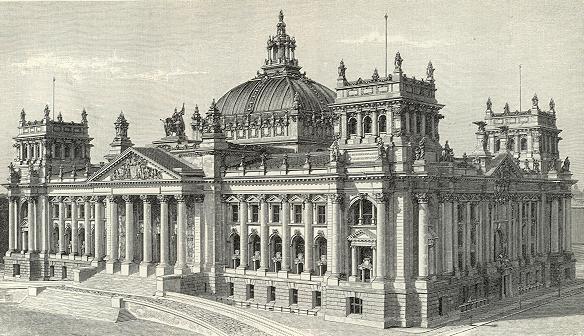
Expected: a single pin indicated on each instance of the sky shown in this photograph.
(146, 58)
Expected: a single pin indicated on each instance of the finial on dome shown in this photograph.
(281, 16)
(60, 117)
(552, 105)
(489, 104)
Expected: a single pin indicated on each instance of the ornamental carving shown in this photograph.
(136, 168)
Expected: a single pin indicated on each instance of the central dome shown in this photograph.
(270, 93)
(280, 86)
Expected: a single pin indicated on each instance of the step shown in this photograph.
(76, 304)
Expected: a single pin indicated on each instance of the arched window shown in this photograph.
(382, 124)
(497, 145)
(367, 125)
(234, 250)
(362, 212)
(77, 152)
(524, 144)
(255, 249)
(352, 127)
(298, 254)
(275, 253)
(24, 152)
(320, 254)
(511, 144)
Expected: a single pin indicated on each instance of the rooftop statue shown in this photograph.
(175, 125)
(398, 61)
(342, 70)
(430, 72)
(566, 165)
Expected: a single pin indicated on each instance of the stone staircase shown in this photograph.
(578, 250)
(81, 305)
(127, 284)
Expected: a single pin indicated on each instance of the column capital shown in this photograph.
(57, 199)
(285, 198)
(128, 198)
(30, 198)
(262, 197)
(163, 198)
(96, 199)
(181, 198)
(336, 198)
(146, 198)
(13, 198)
(86, 198)
(422, 198)
(199, 198)
(241, 198)
(112, 198)
(307, 198)
(380, 197)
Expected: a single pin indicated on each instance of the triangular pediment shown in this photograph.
(504, 167)
(133, 166)
(364, 236)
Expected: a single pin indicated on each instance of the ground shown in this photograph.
(17, 321)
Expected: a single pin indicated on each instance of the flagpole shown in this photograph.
(53, 97)
(519, 87)
(385, 45)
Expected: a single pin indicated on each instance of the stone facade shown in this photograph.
(360, 214)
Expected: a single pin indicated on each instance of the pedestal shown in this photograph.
(305, 276)
(283, 274)
(146, 269)
(163, 270)
(128, 268)
(182, 270)
(111, 267)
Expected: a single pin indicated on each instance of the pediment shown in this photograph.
(505, 168)
(362, 236)
(133, 166)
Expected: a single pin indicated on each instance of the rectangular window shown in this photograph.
(321, 214)
(271, 293)
(275, 213)
(460, 212)
(235, 213)
(293, 296)
(81, 211)
(440, 306)
(55, 210)
(355, 305)
(231, 288)
(297, 213)
(15, 270)
(255, 213)
(52, 271)
(250, 292)
(68, 211)
(317, 298)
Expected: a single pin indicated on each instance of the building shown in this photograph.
(287, 194)
(578, 215)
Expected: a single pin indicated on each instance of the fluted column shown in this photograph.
(74, 227)
(31, 224)
(87, 225)
(62, 247)
(447, 225)
(285, 233)
(422, 235)
(147, 236)
(99, 229)
(354, 262)
(528, 229)
(164, 235)
(554, 234)
(126, 268)
(45, 224)
(568, 223)
(263, 234)
(181, 240)
(336, 235)
(243, 231)
(11, 226)
(308, 235)
(36, 246)
(381, 244)
(113, 234)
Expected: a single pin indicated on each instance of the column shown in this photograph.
(74, 238)
(308, 235)
(181, 239)
(568, 223)
(11, 225)
(62, 247)
(36, 246)
(129, 250)
(147, 237)
(335, 223)
(31, 223)
(554, 234)
(263, 234)
(381, 244)
(243, 231)
(45, 224)
(359, 117)
(455, 224)
(164, 236)
(541, 221)
(87, 225)
(422, 235)
(354, 263)
(113, 234)
(374, 123)
(285, 213)
(99, 229)
(447, 225)
(528, 230)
